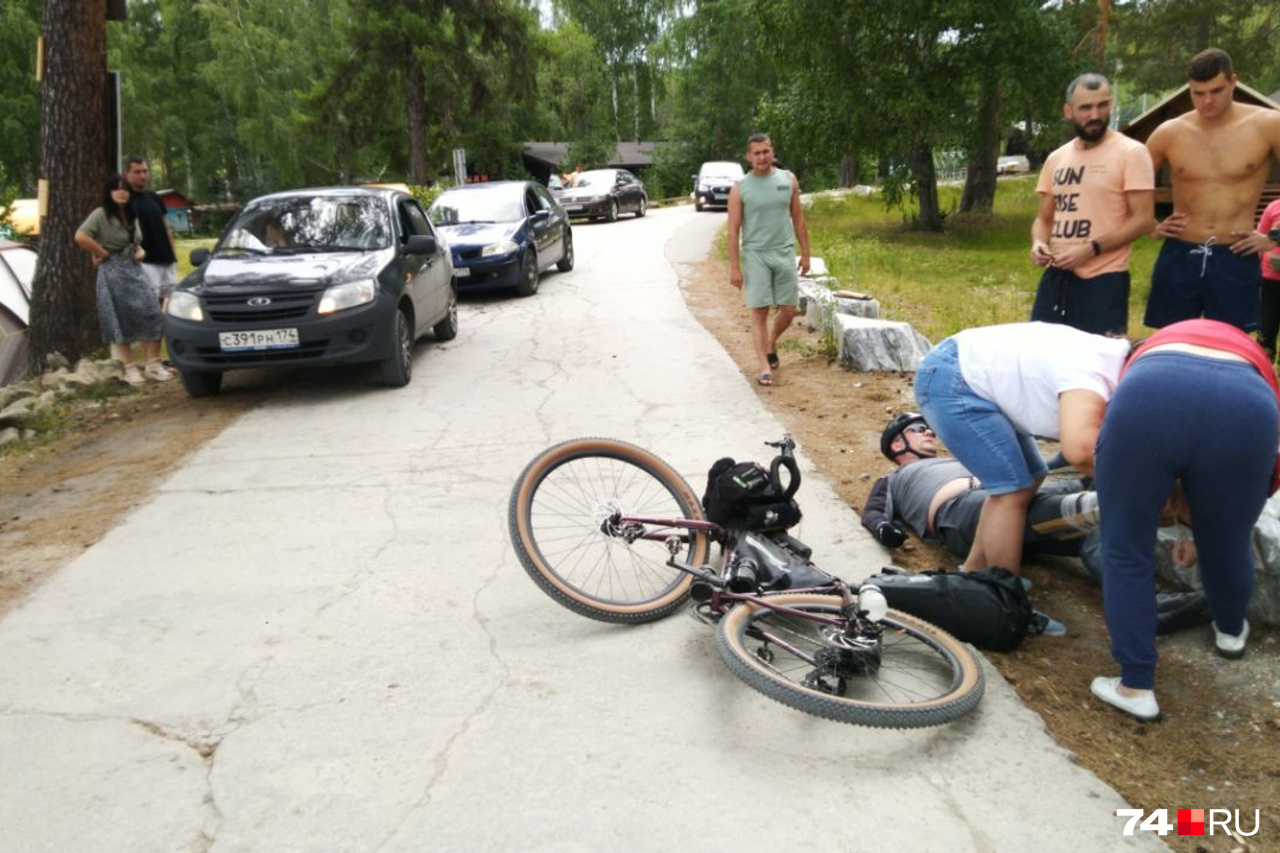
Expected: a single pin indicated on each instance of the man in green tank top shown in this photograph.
(765, 214)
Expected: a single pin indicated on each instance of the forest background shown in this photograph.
(233, 98)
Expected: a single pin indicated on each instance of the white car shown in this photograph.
(713, 182)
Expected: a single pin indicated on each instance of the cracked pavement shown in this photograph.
(315, 636)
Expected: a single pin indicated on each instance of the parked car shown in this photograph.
(503, 234)
(1013, 165)
(713, 182)
(313, 277)
(604, 193)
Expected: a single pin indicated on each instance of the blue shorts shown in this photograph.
(974, 429)
(1095, 305)
(1192, 279)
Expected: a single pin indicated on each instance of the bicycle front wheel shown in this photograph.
(561, 522)
(920, 675)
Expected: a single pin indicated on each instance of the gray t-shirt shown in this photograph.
(110, 233)
(912, 487)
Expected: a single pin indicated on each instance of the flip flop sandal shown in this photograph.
(773, 360)
(765, 378)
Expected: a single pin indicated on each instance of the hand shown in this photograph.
(97, 261)
(138, 255)
(735, 278)
(890, 534)
(1040, 254)
(803, 265)
(1172, 226)
(1073, 257)
(1251, 243)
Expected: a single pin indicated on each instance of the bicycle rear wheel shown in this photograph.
(558, 517)
(921, 677)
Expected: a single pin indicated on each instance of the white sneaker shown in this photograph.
(133, 376)
(157, 371)
(1143, 706)
(1229, 646)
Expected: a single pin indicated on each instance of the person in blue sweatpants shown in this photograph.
(1192, 416)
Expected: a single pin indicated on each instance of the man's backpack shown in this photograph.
(748, 496)
(988, 608)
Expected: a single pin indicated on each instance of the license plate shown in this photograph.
(461, 272)
(572, 208)
(258, 339)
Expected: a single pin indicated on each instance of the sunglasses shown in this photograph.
(919, 428)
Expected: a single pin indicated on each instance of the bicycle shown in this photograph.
(612, 532)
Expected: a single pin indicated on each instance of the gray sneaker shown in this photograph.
(1043, 623)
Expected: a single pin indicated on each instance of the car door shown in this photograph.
(426, 276)
(542, 225)
(557, 221)
(631, 188)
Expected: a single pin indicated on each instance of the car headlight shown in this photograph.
(502, 247)
(185, 305)
(343, 296)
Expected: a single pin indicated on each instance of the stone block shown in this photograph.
(872, 344)
(869, 308)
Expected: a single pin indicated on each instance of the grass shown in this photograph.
(185, 248)
(976, 273)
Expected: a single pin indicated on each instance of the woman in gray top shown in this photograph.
(127, 309)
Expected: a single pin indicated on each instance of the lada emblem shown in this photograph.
(259, 301)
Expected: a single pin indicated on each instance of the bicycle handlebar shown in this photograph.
(785, 459)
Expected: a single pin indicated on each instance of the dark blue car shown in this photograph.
(503, 234)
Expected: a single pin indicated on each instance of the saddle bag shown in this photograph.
(747, 496)
(988, 608)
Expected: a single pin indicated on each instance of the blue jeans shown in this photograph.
(974, 429)
(1213, 425)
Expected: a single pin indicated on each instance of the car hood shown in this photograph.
(282, 271)
(478, 233)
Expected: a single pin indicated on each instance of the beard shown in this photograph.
(1090, 131)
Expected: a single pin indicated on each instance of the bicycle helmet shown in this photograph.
(900, 422)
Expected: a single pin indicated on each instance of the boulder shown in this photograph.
(17, 412)
(55, 360)
(54, 378)
(9, 435)
(9, 393)
(86, 375)
(873, 344)
(869, 308)
(1265, 606)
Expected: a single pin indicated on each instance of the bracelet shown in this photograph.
(1097, 247)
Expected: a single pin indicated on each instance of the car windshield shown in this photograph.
(721, 173)
(462, 207)
(301, 223)
(601, 179)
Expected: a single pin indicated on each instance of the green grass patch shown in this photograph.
(976, 273)
(185, 248)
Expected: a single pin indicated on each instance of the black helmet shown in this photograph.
(900, 422)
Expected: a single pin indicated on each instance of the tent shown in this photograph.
(17, 269)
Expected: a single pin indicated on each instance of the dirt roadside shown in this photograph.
(1218, 746)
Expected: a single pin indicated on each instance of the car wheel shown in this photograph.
(397, 367)
(643, 208)
(201, 383)
(447, 328)
(613, 210)
(566, 260)
(528, 275)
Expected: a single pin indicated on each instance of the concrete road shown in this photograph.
(316, 637)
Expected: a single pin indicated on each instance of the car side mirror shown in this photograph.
(419, 244)
(541, 215)
(199, 256)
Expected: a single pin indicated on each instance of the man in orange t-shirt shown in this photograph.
(1096, 197)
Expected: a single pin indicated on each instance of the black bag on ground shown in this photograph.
(746, 495)
(988, 608)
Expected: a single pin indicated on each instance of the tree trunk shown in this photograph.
(849, 173)
(980, 183)
(74, 160)
(926, 186)
(415, 86)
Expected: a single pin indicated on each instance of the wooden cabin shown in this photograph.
(1180, 102)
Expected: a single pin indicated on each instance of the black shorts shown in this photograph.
(1096, 305)
(1192, 279)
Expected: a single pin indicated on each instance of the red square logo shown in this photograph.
(1191, 821)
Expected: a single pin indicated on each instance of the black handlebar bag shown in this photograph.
(748, 496)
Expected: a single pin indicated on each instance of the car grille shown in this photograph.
(468, 254)
(236, 309)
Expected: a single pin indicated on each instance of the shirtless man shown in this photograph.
(1219, 157)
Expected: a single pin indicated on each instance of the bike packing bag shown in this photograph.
(988, 608)
(744, 495)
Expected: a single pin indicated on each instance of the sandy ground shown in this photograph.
(1218, 745)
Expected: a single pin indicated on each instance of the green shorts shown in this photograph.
(770, 277)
